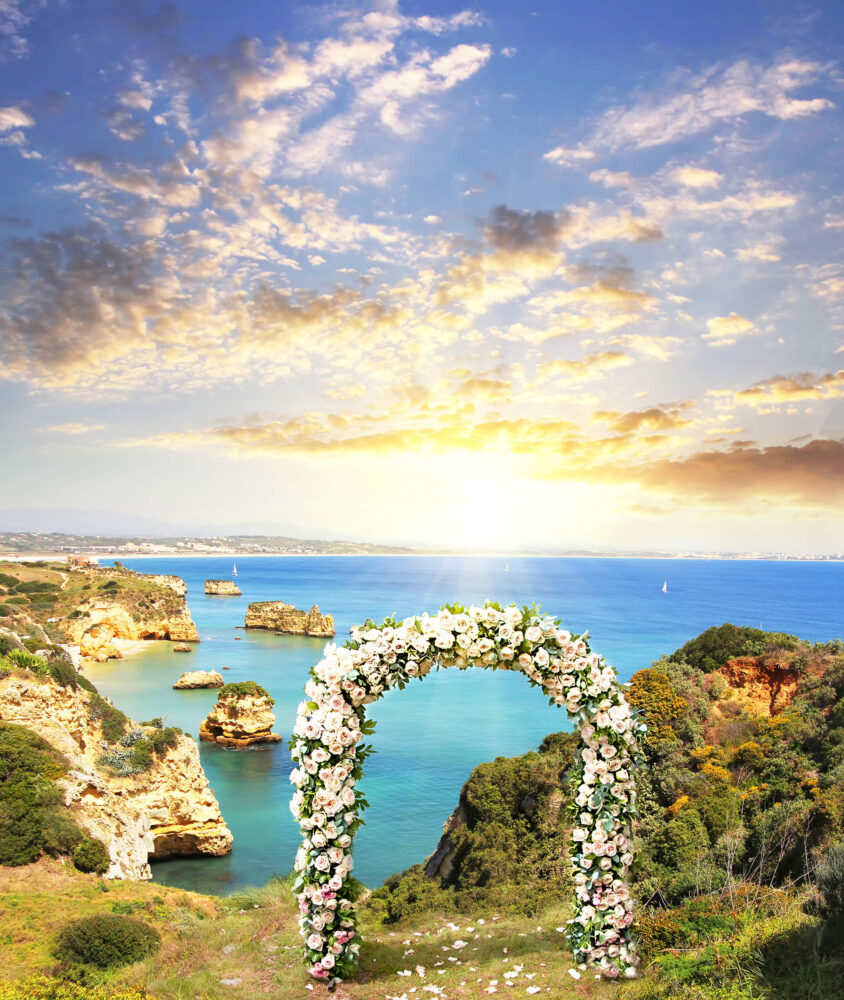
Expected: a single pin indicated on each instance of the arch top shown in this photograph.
(328, 749)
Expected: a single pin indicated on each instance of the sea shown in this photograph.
(431, 735)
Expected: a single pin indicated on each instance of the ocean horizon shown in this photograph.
(430, 736)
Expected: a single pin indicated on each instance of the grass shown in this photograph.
(253, 937)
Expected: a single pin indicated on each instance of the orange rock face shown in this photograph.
(763, 688)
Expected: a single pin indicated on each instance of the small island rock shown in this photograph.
(222, 588)
(287, 619)
(242, 717)
(182, 647)
(199, 679)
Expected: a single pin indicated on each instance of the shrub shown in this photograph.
(59, 833)
(712, 648)
(107, 940)
(243, 688)
(8, 642)
(83, 682)
(62, 671)
(27, 661)
(49, 988)
(36, 588)
(8, 581)
(828, 901)
(91, 856)
(112, 720)
(29, 800)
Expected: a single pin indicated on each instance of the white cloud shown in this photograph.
(725, 330)
(695, 177)
(717, 95)
(14, 117)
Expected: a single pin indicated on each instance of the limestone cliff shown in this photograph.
(165, 811)
(242, 716)
(222, 588)
(103, 620)
(286, 618)
(175, 583)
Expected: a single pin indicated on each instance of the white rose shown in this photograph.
(314, 942)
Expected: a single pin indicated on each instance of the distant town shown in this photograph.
(35, 545)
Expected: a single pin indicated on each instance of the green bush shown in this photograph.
(107, 940)
(828, 901)
(91, 856)
(8, 643)
(8, 581)
(712, 648)
(243, 688)
(112, 721)
(25, 660)
(31, 815)
(60, 835)
(36, 588)
(83, 682)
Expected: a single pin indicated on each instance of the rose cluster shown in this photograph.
(328, 751)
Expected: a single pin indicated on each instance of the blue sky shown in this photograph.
(567, 276)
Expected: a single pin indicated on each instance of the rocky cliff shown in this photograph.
(222, 588)
(243, 716)
(164, 811)
(102, 621)
(286, 618)
(175, 583)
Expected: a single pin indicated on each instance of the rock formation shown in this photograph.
(182, 647)
(102, 621)
(166, 811)
(175, 583)
(285, 618)
(222, 588)
(199, 679)
(242, 716)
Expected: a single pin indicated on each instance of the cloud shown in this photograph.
(76, 428)
(655, 418)
(510, 229)
(15, 15)
(564, 156)
(812, 475)
(695, 177)
(589, 367)
(725, 330)
(13, 117)
(799, 388)
(716, 96)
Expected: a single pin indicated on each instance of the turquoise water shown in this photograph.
(431, 735)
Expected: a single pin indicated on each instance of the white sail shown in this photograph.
(234, 570)
(665, 587)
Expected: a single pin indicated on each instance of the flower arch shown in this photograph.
(327, 746)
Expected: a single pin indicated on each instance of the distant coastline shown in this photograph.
(657, 557)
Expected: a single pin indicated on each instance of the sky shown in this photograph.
(561, 275)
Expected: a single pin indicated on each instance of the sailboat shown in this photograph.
(234, 570)
(665, 587)
(506, 567)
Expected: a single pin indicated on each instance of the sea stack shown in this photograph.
(199, 679)
(222, 588)
(286, 619)
(242, 717)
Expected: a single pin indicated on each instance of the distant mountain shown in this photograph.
(87, 522)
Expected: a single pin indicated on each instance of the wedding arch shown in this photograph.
(328, 751)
